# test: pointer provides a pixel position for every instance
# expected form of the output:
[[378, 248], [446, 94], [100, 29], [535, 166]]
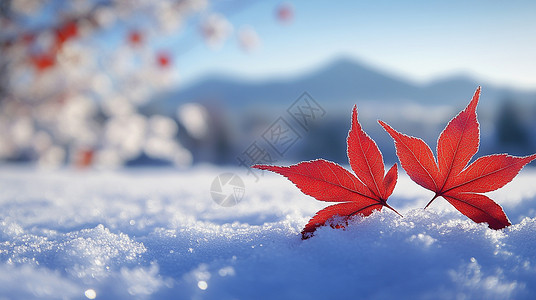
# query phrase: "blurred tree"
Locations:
[[74, 74], [512, 132]]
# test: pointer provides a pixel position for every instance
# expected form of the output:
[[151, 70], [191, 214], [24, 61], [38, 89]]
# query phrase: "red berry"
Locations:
[[285, 13], [163, 59], [43, 61], [135, 38]]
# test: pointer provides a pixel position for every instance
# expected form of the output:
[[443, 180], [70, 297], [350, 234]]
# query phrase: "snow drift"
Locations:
[[157, 234]]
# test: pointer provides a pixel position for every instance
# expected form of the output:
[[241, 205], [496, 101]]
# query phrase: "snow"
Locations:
[[157, 234]]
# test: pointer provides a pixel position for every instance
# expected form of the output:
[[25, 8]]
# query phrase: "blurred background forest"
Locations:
[[111, 83]]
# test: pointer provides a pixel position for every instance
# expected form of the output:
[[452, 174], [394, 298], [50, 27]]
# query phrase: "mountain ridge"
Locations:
[[341, 81]]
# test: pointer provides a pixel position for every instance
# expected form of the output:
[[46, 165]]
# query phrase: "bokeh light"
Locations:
[[90, 294]]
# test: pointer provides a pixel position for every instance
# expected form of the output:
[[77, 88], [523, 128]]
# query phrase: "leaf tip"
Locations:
[[474, 101], [387, 128], [306, 234], [383, 124], [260, 167], [500, 226], [389, 181], [354, 117]]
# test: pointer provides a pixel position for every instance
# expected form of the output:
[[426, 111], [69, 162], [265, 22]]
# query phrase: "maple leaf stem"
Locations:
[[431, 201], [388, 206]]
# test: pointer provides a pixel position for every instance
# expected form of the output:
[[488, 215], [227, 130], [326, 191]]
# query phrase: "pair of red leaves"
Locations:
[[449, 176]]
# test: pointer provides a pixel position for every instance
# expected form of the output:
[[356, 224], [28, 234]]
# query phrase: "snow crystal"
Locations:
[[157, 234]]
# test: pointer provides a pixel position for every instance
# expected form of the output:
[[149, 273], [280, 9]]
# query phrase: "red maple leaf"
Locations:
[[450, 176], [328, 181]]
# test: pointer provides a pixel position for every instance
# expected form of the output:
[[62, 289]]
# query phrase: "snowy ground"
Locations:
[[157, 234]]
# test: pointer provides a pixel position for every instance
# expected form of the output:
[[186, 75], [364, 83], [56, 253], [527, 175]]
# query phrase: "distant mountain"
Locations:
[[341, 81], [241, 110]]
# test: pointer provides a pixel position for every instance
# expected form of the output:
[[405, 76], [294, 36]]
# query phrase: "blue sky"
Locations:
[[494, 41]]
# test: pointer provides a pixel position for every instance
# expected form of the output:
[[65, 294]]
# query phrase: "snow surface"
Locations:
[[157, 234]]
